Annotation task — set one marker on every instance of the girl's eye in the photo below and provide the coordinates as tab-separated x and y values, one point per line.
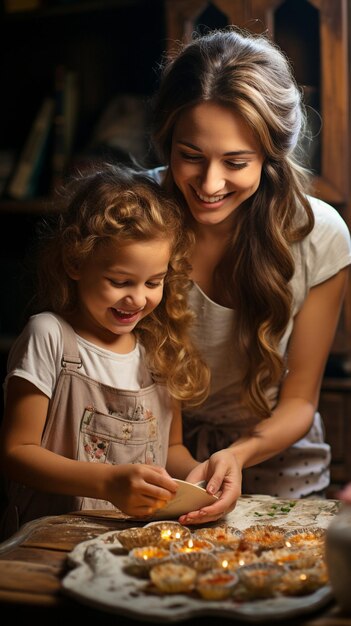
117	283
126	283
153	284
190	157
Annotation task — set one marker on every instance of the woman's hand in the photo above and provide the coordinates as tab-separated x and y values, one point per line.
345	494
138	489
223	476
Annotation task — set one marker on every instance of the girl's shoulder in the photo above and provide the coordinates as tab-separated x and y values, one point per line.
44	324
36	353
41	338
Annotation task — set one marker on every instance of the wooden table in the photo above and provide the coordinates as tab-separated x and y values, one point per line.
33	562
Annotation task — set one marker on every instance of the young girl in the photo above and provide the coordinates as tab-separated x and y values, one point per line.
269	265
94	382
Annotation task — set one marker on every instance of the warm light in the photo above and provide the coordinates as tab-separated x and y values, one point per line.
288	544
225	563
148	552
241	562
192	545
166	534
177	535
303	577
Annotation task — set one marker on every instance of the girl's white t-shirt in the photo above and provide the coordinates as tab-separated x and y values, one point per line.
37	352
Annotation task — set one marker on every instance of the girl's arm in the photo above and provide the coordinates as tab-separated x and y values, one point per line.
134	488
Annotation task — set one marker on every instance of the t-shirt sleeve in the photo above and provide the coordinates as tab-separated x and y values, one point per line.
330	243
36	353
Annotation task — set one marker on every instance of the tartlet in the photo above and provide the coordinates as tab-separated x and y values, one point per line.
143	558
173	577
217	584
199	561
302	582
267	537
219	536
167	531
294	558
304	537
191	545
233	559
136	537
261	579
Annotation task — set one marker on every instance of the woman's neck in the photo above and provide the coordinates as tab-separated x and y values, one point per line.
208	252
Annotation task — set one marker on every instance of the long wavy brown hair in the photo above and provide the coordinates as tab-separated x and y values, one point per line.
249	74
124	205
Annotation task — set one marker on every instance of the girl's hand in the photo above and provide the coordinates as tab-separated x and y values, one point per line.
223	476
139	490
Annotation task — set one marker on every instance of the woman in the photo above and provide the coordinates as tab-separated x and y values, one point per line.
269	268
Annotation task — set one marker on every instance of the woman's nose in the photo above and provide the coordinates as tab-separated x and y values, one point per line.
212	179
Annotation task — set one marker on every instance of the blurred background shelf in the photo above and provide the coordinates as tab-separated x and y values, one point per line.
111	50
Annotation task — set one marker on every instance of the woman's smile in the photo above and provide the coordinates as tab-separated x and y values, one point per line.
216	161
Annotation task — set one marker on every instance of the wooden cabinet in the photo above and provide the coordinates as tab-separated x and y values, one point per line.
335	408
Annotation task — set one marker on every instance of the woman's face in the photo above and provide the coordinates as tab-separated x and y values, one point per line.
216	161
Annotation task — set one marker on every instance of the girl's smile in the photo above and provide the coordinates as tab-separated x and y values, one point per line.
127	317
118	286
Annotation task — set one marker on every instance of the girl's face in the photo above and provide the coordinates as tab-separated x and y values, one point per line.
215	161
121	284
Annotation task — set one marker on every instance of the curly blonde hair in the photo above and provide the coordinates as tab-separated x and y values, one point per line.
125	205
250	75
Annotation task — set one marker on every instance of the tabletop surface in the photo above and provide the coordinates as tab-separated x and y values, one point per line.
34	561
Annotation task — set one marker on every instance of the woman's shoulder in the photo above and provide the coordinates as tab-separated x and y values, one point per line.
327	248
327	217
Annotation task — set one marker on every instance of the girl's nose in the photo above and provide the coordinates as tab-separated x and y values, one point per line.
212	180
136	297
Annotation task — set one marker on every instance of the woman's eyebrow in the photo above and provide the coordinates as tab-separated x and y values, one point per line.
231	153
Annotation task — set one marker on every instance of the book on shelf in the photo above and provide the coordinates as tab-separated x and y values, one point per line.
12	6
23	183
7	162
65	121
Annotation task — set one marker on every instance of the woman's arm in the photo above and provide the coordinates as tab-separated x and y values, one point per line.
309	346
134	488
